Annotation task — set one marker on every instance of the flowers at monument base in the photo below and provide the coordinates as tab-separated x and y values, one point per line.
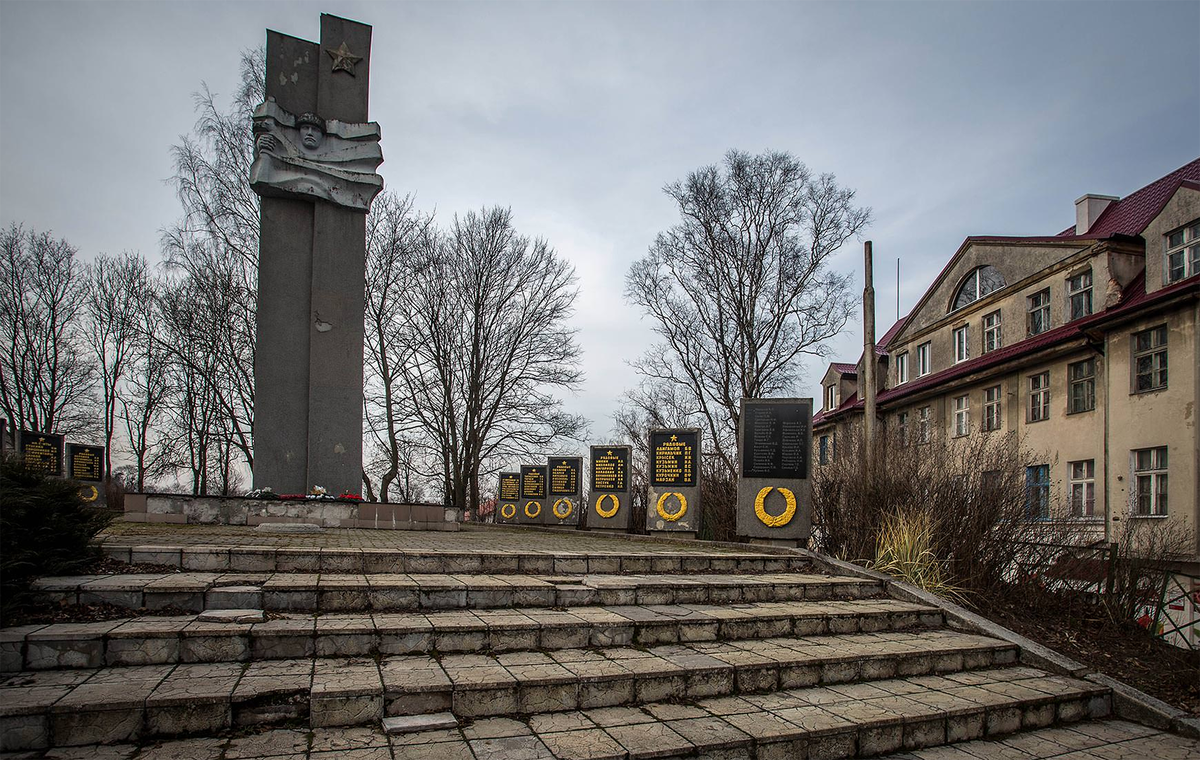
262	493
347	496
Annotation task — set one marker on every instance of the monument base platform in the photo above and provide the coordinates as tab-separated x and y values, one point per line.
685	535
787	542
219	510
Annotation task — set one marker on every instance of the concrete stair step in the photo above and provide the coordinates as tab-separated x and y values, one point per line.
70	708
269	559
186	639
351	592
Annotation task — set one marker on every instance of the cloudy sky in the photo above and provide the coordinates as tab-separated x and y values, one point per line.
949	119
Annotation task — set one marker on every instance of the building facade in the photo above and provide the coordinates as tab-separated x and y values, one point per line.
1084	343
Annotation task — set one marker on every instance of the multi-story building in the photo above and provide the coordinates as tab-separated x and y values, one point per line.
1085	343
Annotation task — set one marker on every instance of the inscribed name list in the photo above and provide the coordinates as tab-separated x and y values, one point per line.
672	458
85	462
775	441
42	452
510	487
609	471
533	484
564	477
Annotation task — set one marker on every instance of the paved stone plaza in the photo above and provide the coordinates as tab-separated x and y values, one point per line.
517	643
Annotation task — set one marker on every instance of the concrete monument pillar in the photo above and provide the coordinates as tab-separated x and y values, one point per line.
315	168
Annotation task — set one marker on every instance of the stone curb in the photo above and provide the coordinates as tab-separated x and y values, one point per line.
690	542
1128	703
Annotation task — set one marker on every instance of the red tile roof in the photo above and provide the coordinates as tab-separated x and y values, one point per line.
1133	298
1132	214
881	345
844	368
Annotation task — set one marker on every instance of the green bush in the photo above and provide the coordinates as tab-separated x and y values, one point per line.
45	529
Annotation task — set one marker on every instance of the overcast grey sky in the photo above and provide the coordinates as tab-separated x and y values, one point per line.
949	119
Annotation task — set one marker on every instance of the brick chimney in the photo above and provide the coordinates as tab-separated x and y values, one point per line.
1088	209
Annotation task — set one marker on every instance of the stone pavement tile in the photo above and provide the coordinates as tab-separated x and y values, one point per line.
710	733
345	692
1162	746
557	722
403	633
279	741
185	749
451	750
366	753
650	740
93	752
348	738
583	744
510	748
494	728
345	635
618	716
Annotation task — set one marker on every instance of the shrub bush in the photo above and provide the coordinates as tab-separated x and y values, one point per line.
45	529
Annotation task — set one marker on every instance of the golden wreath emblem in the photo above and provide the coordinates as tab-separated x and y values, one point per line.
89	493
606	513
508	511
535	512
566	512
671	516
775	521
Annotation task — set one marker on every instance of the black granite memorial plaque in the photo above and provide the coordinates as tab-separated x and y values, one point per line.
564	477
610	468
674	458
85	462
776	441
41	452
510	486
533	482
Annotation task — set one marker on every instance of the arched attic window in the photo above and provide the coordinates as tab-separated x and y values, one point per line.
981	281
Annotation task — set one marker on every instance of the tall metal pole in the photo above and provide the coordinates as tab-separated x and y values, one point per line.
869	421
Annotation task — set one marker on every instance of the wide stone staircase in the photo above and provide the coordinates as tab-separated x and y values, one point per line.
645	650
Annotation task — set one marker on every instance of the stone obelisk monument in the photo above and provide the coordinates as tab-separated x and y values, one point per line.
315	165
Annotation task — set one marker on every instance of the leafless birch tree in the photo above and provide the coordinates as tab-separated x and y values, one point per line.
118	290
46	371
740	289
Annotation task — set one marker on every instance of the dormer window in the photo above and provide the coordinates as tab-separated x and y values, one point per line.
830	397
1182	249
979	283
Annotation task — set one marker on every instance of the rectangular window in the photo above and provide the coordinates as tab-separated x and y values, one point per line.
1037	492
823	448
1081	386
991	331
991	408
962	415
923	418
1039	397
1082	487
1182	251
1150	481
830	396
962	346
902	368
1039	312
1150	359
1079	294
923	359
902	427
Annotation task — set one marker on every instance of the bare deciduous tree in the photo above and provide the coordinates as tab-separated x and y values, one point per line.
398	237
489	345
118	290
145	393
740	289
46	375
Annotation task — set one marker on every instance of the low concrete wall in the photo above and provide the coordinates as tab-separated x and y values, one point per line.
218	510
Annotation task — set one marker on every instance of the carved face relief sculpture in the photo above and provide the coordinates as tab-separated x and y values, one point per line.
311	136
311	158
